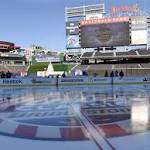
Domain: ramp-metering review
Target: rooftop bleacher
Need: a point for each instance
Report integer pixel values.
(100, 67)
(128, 69)
(143, 52)
(11, 56)
(87, 54)
(145, 65)
(129, 66)
(108, 54)
(13, 69)
(129, 53)
(81, 67)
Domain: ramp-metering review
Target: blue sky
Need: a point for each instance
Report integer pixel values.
(42, 22)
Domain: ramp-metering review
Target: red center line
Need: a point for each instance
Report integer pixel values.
(91, 136)
(101, 133)
(97, 137)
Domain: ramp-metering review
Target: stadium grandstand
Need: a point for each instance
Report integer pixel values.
(10, 60)
(139, 53)
(132, 63)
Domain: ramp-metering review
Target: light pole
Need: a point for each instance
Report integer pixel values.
(148, 37)
(83, 3)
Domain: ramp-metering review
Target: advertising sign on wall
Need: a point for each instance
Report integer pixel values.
(72, 28)
(131, 8)
(139, 23)
(48, 59)
(104, 21)
(93, 16)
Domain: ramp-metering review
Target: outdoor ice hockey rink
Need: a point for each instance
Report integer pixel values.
(75, 118)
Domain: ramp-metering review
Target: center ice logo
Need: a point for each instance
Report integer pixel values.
(51, 114)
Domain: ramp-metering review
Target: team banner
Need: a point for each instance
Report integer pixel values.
(72, 41)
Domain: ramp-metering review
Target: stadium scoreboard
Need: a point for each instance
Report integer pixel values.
(114, 31)
(105, 32)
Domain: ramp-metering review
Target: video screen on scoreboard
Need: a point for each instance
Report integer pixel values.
(99, 35)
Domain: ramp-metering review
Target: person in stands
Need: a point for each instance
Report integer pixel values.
(106, 73)
(112, 74)
(121, 74)
(64, 75)
(95, 74)
(84, 73)
(8, 75)
(116, 73)
(2, 74)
